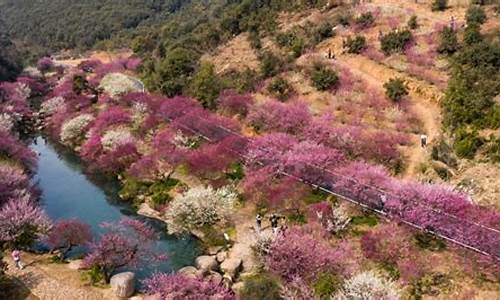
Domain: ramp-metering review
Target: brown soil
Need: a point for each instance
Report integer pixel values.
(52, 281)
(237, 55)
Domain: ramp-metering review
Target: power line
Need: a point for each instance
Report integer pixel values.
(350, 199)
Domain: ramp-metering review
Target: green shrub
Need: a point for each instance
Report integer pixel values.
(444, 153)
(206, 86)
(159, 192)
(254, 39)
(131, 188)
(428, 241)
(316, 196)
(174, 73)
(269, 64)
(472, 35)
(365, 20)
(429, 284)
(212, 237)
(326, 285)
(297, 217)
(356, 45)
(298, 47)
(475, 15)
(94, 276)
(395, 41)
(242, 81)
(396, 89)
(493, 149)
(323, 31)
(448, 42)
(343, 19)
(260, 286)
(367, 219)
(443, 172)
(323, 78)
(412, 22)
(280, 88)
(467, 142)
(235, 172)
(286, 39)
(439, 5)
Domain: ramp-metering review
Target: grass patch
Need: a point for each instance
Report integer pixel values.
(316, 196)
(297, 218)
(369, 220)
(429, 242)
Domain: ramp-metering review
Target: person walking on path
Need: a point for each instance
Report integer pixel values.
(16, 256)
(258, 221)
(423, 140)
(274, 223)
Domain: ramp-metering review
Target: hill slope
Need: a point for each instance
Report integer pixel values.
(58, 24)
(9, 59)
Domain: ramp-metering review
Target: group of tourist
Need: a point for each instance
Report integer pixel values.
(274, 219)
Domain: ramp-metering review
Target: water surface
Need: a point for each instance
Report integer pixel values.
(68, 191)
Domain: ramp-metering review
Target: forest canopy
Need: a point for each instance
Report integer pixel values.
(57, 24)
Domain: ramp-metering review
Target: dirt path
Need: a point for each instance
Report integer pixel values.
(53, 281)
(245, 238)
(424, 97)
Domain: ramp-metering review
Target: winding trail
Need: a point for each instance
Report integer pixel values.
(423, 96)
(53, 281)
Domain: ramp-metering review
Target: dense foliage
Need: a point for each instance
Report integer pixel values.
(10, 64)
(61, 24)
(469, 103)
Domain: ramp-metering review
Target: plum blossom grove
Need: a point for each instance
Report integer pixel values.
(302, 150)
(290, 154)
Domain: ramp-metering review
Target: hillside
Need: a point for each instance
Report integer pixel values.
(268, 149)
(10, 61)
(64, 24)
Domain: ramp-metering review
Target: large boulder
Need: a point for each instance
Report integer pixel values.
(221, 256)
(206, 263)
(214, 277)
(123, 284)
(189, 271)
(231, 267)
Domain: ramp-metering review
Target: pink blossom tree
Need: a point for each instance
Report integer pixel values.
(44, 64)
(178, 286)
(22, 222)
(277, 116)
(233, 103)
(14, 183)
(298, 254)
(13, 149)
(66, 234)
(127, 243)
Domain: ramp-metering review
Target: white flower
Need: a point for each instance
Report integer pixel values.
(139, 111)
(52, 105)
(116, 84)
(23, 90)
(369, 286)
(116, 137)
(6, 122)
(338, 220)
(200, 206)
(185, 142)
(263, 243)
(72, 131)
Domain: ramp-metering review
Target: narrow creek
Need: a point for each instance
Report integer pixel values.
(68, 191)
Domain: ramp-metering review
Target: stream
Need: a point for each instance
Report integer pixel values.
(69, 191)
